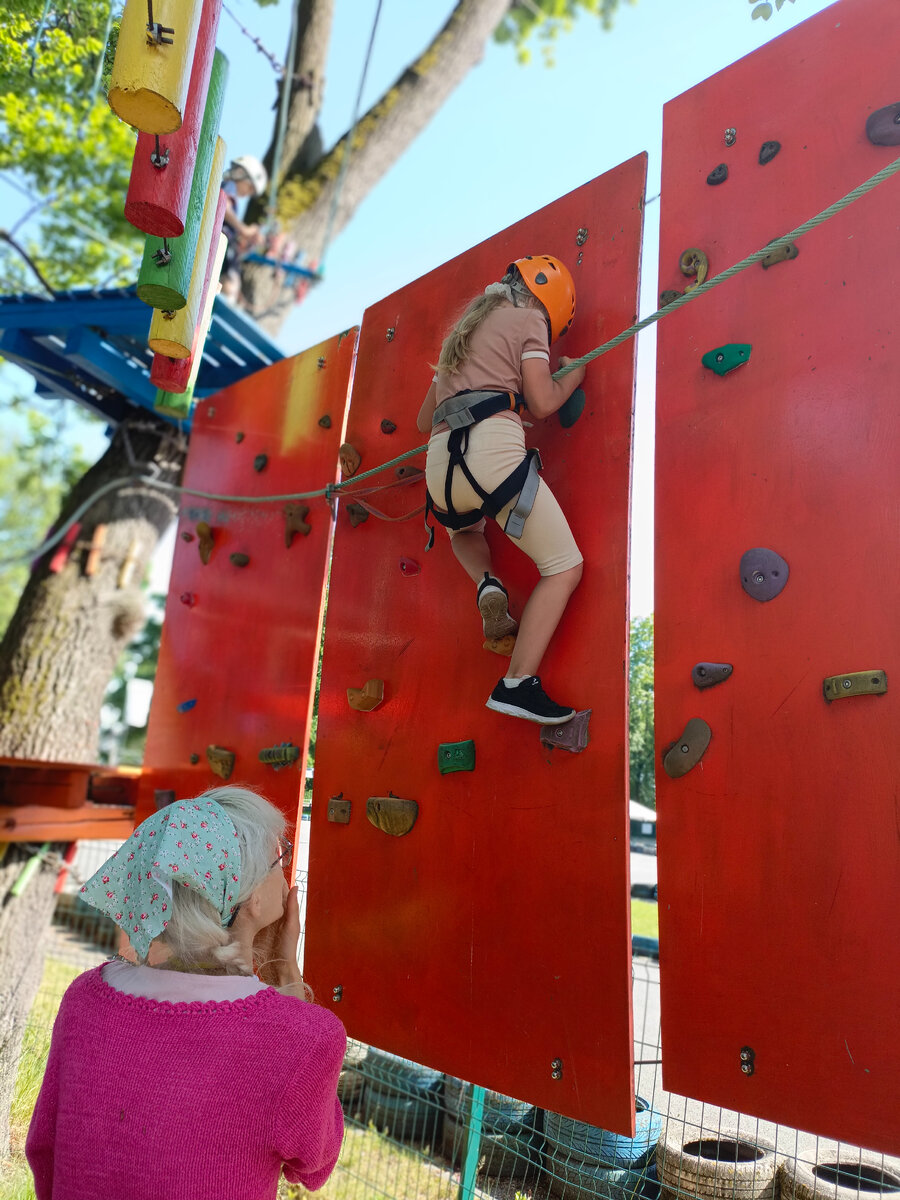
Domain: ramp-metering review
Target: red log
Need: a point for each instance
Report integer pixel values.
(172, 374)
(157, 197)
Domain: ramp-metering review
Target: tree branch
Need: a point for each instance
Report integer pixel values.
(379, 139)
(10, 240)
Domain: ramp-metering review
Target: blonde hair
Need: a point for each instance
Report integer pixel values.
(195, 935)
(455, 350)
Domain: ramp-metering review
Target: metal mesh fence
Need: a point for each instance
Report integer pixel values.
(413, 1133)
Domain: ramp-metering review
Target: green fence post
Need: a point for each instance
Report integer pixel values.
(475, 1118)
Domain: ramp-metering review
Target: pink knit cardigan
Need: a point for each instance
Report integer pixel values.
(150, 1100)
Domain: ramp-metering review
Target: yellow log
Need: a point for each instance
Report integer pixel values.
(179, 405)
(174, 335)
(150, 80)
(206, 316)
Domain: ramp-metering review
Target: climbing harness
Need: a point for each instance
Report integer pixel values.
(461, 412)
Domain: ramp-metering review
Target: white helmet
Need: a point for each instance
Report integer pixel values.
(254, 170)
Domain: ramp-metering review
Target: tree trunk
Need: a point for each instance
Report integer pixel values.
(306, 199)
(63, 643)
(56, 659)
(23, 920)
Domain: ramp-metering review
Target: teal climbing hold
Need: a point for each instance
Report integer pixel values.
(726, 358)
(572, 409)
(456, 756)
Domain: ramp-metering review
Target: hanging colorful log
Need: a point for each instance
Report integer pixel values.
(161, 175)
(165, 274)
(173, 335)
(152, 70)
(173, 374)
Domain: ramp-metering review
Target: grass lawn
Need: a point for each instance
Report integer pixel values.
(645, 918)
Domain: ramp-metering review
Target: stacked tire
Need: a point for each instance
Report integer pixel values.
(729, 1167)
(352, 1079)
(403, 1099)
(843, 1175)
(583, 1161)
(511, 1135)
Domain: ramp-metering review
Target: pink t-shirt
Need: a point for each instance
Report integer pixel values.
(149, 1099)
(497, 349)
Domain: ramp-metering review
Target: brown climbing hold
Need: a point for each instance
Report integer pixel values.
(667, 297)
(339, 809)
(240, 560)
(388, 426)
(782, 253)
(221, 761)
(206, 541)
(408, 472)
(501, 645)
(368, 697)
(325, 421)
(259, 463)
(295, 521)
(392, 815)
(572, 736)
(350, 459)
(356, 513)
(683, 755)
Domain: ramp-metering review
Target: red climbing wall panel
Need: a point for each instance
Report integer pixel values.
(778, 853)
(493, 938)
(245, 646)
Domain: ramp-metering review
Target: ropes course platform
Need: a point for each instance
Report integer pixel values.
(91, 346)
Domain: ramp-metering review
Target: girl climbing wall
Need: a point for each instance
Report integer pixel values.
(495, 364)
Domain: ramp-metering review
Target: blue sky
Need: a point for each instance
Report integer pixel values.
(511, 139)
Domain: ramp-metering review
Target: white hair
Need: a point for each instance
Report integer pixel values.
(195, 935)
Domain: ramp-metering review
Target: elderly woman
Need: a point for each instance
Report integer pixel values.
(192, 1078)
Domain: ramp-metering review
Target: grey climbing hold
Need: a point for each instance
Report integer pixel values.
(767, 152)
(718, 175)
(708, 674)
(883, 126)
(764, 573)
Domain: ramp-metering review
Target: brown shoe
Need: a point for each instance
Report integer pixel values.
(493, 604)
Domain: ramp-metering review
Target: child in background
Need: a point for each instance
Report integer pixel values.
(495, 364)
(245, 177)
(193, 1078)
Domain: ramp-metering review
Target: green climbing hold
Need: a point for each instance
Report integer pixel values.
(572, 409)
(456, 756)
(726, 358)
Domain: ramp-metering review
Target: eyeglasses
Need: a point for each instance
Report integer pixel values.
(286, 848)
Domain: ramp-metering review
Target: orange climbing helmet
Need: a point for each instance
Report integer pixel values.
(549, 280)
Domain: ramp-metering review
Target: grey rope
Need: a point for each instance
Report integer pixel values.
(332, 489)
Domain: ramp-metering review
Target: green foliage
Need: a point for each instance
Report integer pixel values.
(640, 713)
(546, 20)
(37, 469)
(64, 144)
(765, 10)
(139, 660)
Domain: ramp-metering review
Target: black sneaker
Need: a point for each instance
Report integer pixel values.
(493, 601)
(529, 701)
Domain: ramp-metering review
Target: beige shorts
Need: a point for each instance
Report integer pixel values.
(496, 448)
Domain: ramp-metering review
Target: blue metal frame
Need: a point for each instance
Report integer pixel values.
(91, 347)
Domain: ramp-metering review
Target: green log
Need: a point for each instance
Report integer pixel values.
(171, 405)
(166, 287)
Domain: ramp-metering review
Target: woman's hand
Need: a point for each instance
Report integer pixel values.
(577, 374)
(275, 947)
